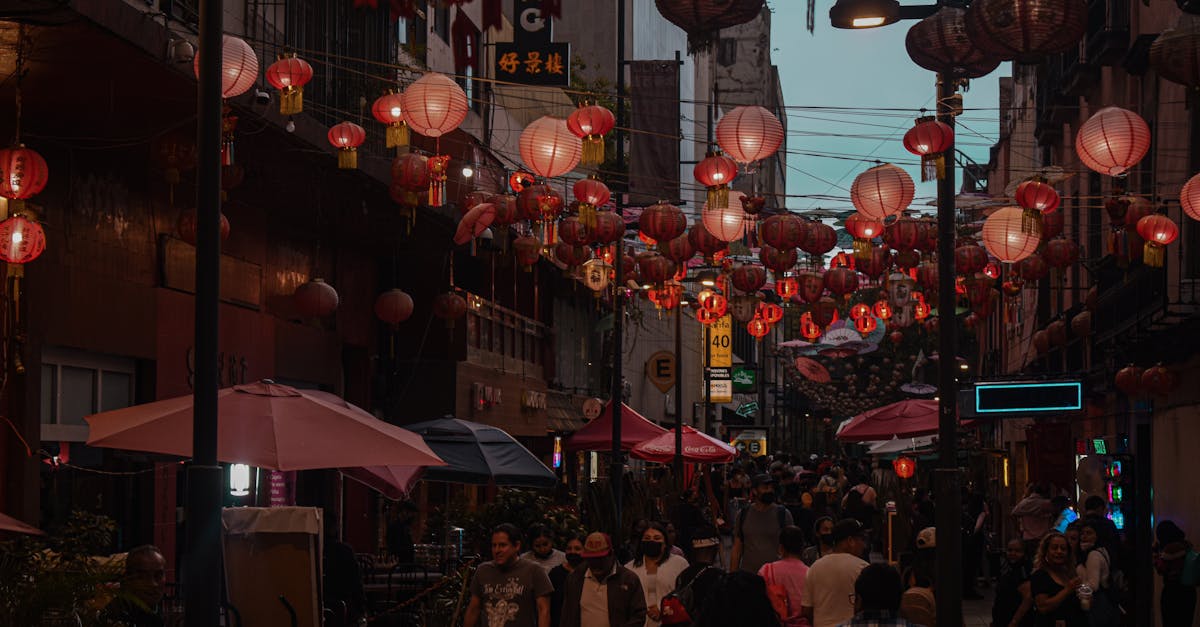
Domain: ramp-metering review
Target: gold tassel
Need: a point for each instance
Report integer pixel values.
(587, 215)
(1031, 221)
(718, 197)
(291, 100)
(593, 150)
(348, 158)
(396, 135)
(862, 248)
(1153, 254)
(933, 166)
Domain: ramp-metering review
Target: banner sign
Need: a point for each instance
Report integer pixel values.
(744, 379)
(532, 58)
(720, 385)
(720, 343)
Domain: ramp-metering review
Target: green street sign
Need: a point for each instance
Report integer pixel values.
(745, 410)
(744, 379)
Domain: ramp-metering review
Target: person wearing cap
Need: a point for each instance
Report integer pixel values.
(829, 585)
(602, 593)
(704, 571)
(509, 591)
(756, 532)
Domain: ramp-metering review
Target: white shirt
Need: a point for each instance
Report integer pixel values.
(556, 557)
(660, 584)
(828, 586)
(1094, 572)
(593, 600)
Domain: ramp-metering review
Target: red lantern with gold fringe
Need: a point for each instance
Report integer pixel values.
(928, 139)
(716, 172)
(389, 110)
(1158, 231)
(347, 137)
(1036, 198)
(591, 123)
(289, 75)
(863, 230)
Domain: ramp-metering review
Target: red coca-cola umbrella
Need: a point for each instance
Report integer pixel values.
(697, 448)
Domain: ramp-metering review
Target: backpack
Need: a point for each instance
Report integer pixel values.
(777, 594)
(780, 511)
(678, 606)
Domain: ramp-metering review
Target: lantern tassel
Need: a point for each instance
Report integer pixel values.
(933, 166)
(396, 135)
(862, 248)
(291, 100)
(348, 158)
(1153, 254)
(718, 197)
(593, 150)
(1118, 246)
(587, 215)
(1031, 221)
(549, 235)
(437, 192)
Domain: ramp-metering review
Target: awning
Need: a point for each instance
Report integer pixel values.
(597, 435)
(902, 445)
(562, 414)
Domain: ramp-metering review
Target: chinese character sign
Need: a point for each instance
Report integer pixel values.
(548, 64)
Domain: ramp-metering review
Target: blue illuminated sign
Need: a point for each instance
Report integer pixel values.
(1040, 397)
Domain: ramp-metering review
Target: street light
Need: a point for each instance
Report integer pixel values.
(857, 14)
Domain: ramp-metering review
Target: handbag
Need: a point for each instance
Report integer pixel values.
(673, 609)
(777, 594)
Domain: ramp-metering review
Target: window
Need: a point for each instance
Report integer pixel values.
(441, 22)
(727, 51)
(77, 384)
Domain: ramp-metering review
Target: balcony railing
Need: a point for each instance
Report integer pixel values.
(500, 338)
(1107, 38)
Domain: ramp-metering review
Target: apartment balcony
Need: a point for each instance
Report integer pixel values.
(1107, 39)
(1079, 71)
(1053, 107)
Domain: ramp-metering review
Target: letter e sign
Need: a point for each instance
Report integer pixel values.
(660, 370)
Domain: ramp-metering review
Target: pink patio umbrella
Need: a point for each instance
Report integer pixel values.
(697, 448)
(10, 524)
(903, 419)
(267, 425)
(597, 434)
(475, 222)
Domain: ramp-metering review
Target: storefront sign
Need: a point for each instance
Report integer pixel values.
(231, 369)
(720, 385)
(744, 379)
(533, 399)
(592, 408)
(532, 58)
(1027, 398)
(720, 343)
(484, 396)
(660, 370)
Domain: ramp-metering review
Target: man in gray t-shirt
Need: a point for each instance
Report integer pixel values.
(756, 532)
(509, 591)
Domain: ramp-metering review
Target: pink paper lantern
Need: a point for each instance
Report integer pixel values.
(725, 223)
(882, 191)
(548, 148)
(1007, 239)
(239, 66)
(749, 134)
(434, 105)
(1112, 141)
(1189, 197)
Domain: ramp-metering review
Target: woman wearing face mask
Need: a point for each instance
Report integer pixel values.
(656, 568)
(544, 554)
(823, 531)
(558, 575)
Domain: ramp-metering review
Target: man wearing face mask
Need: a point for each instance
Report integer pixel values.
(756, 534)
(602, 593)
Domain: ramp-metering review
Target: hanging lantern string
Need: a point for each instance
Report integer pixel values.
(20, 72)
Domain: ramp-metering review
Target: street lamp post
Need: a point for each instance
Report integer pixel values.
(617, 468)
(870, 14)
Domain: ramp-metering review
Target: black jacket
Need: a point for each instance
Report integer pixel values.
(626, 601)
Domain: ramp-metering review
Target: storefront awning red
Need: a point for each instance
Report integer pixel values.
(903, 419)
(597, 435)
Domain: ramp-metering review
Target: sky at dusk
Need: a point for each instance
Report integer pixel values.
(851, 95)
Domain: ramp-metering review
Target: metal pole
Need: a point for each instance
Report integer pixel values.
(677, 466)
(709, 423)
(617, 471)
(202, 563)
(946, 476)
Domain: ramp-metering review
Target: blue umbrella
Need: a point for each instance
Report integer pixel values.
(480, 454)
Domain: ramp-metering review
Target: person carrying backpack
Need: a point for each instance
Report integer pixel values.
(756, 533)
(682, 607)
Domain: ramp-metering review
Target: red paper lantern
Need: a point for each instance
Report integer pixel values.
(783, 231)
(1052, 225)
(608, 227)
(787, 287)
(528, 250)
(1189, 197)
(902, 234)
(1158, 231)
(1057, 333)
(186, 226)
(1036, 195)
(863, 230)
(506, 209)
(1081, 324)
(654, 268)
(701, 19)
(770, 312)
(410, 172)
(23, 173)
(841, 281)
(1009, 237)
(667, 296)
(758, 327)
(449, 306)
(725, 223)
(905, 467)
(778, 260)
(1113, 140)
(715, 172)
(883, 310)
(927, 275)
(662, 222)
(289, 75)
(1032, 268)
(239, 66)
(705, 242)
(1158, 380)
(1041, 342)
(809, 329)
(590, 123)
(749, 278)
(749, 134)
(315, 299)
(714, 302)
(571, 255)
(548, 148)
(706, 317)
(1129, 380)
(927, 235)
(572, 231)
(824, 311)
(859, 310)
(882, 191)
(389, 109)
(434, 105)
(928, 139)
(347, 137)
(811, 285)
(969, 259)
(174, 152)
(1060, 253)
(393, 307)
(21, 240)
(821, 239)
(591, 194)
(866, 325)
(1026, 30)
(939, 43)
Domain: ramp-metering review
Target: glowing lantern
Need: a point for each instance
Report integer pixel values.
(714, 302)
(393, 307)
(992, 270)
(1158, 231)
(665, 297)
(21, 240)
(921, 311)
(548, 148)
(315, 299)
(289, 75)
(434, 105)
(716, 172)
(239, 66)
(758, 327)
(809, 330)
(725, 223)
(1112, 141)
(859, 310)
(770, 312)
(23, 173)
(905, 467)
(1009, 237)
(596, 275)
(749, 134)
(347, 137)
(389, 109)
(662, 222)
(706, 317)
(883, 310)
(1189, 197)
(590, 123)
(787, 287)
(863, 230)
(1036, 198)
(1129, 380)
(591, 194)
(882, 191)
(929, 139)
(866, 325)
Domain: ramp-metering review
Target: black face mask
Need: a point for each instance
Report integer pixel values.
(574, 559)
(827, 538)
(652, 549)
(766, 498)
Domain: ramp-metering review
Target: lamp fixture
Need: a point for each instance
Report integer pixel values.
(855, 14)
(707, 278)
